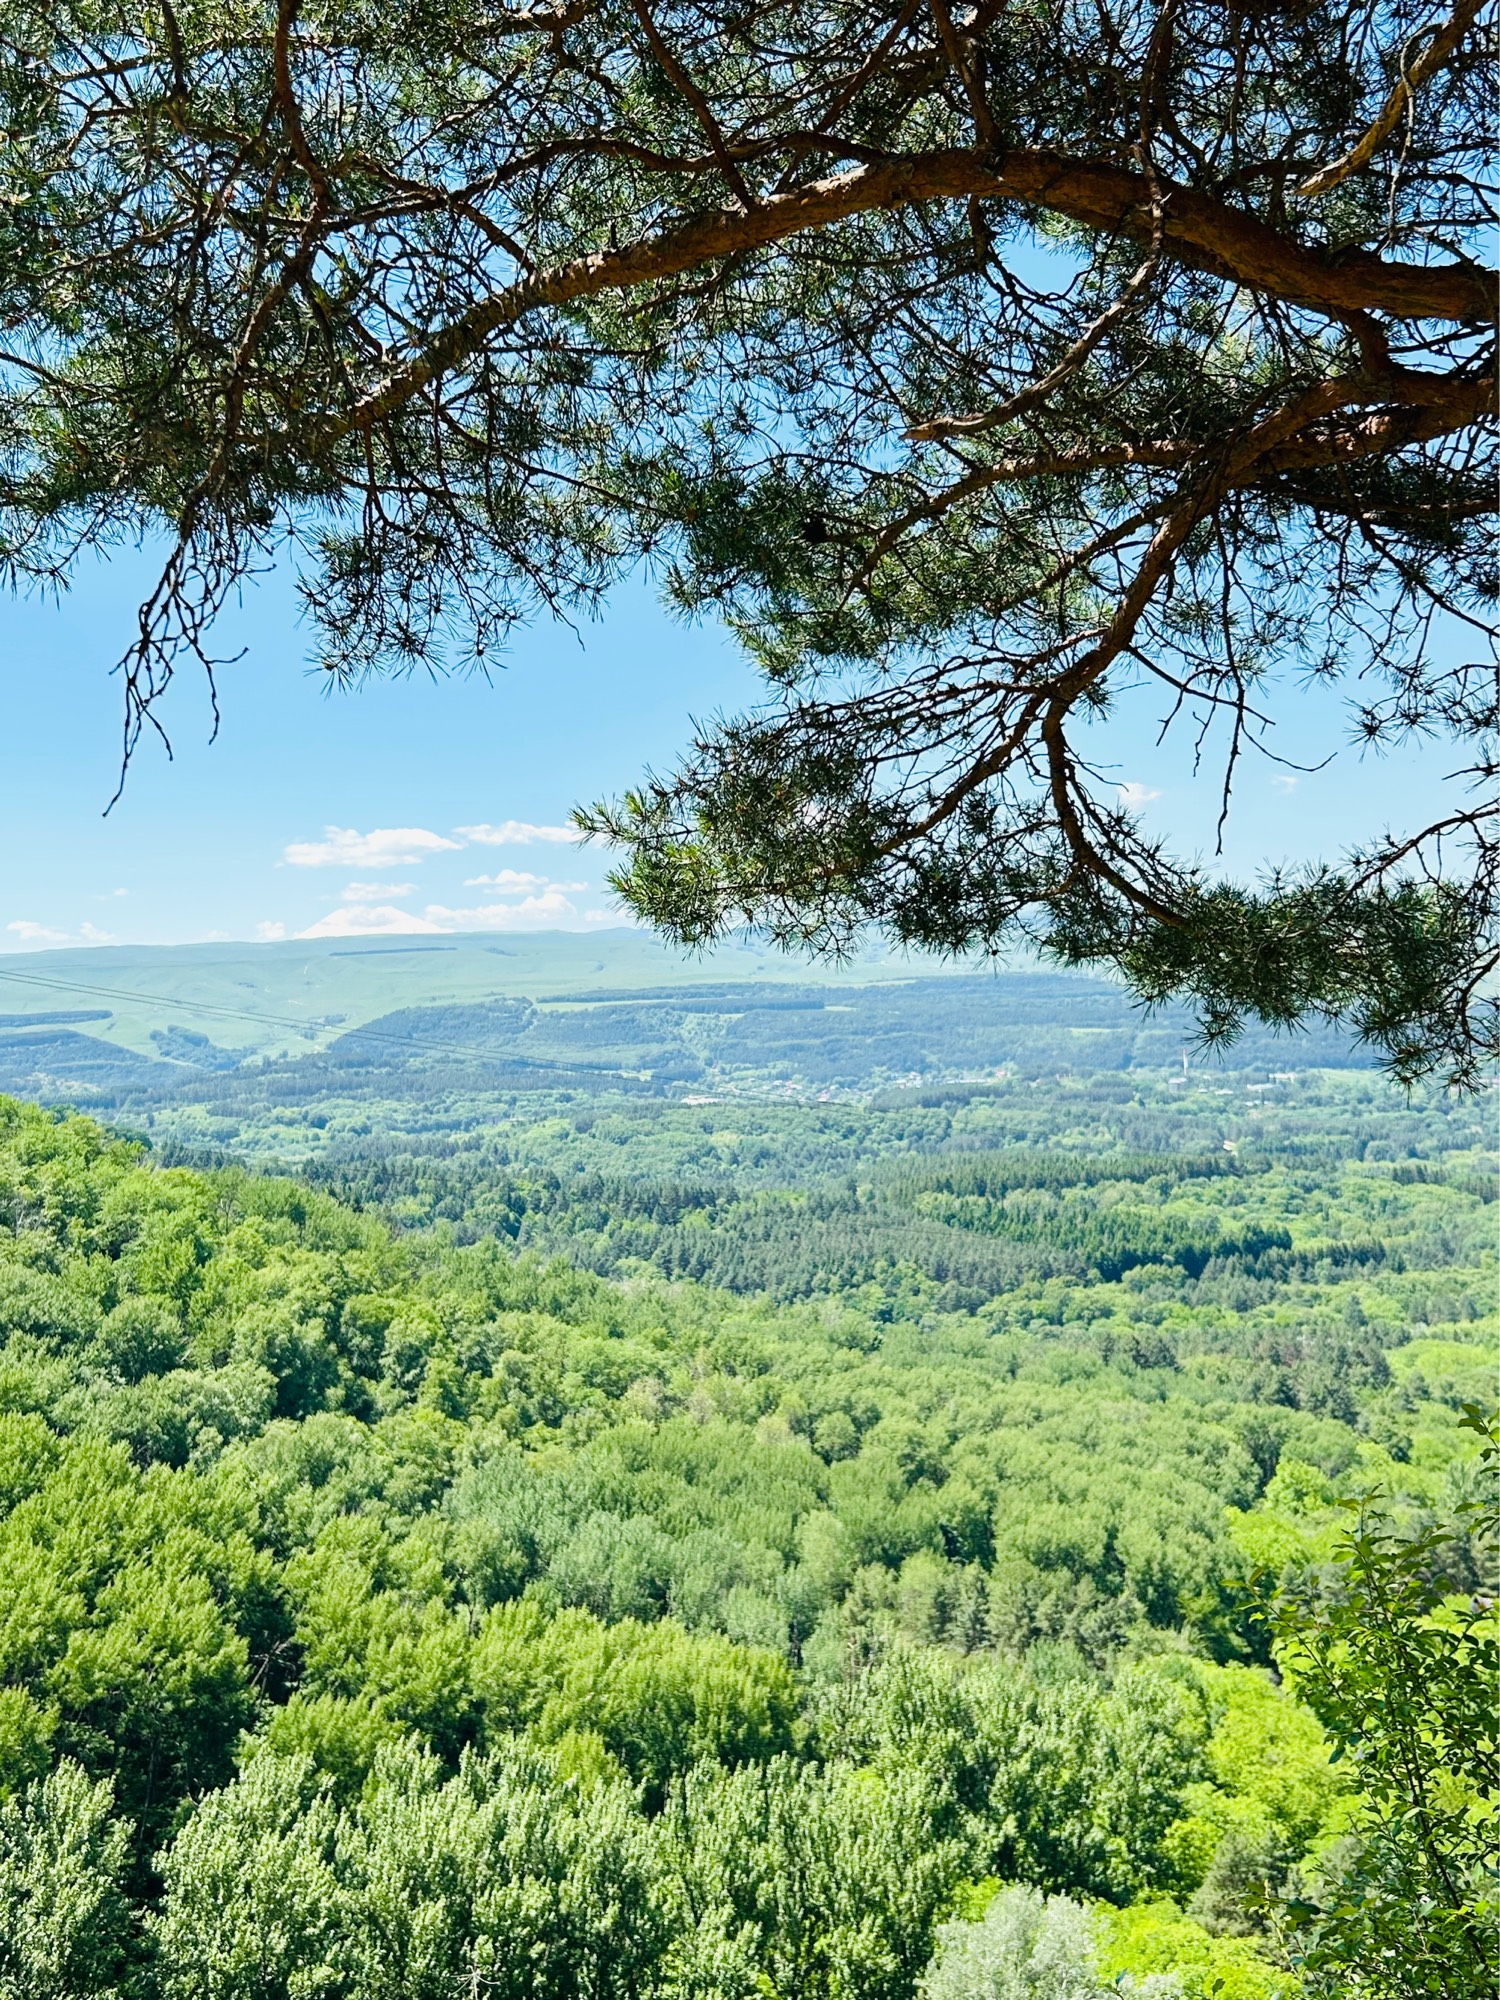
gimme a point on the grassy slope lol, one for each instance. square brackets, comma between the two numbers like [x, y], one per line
[223, 990]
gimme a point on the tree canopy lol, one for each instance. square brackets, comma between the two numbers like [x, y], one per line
[384, 1617]
[987, 367]
[1403, 1673]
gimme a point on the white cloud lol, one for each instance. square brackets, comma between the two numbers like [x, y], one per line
[549, 911]
[607, 917]
[516, 833]
[516, 882]
[271, 931]
[376, 892]
[30, 933]
[506, 878]
[1285, 781]
[1133, 795]
[385, 847]
[383, 920]
[530, 903]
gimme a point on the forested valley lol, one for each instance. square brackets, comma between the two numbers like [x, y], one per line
[800, 1529]
[904, 1409]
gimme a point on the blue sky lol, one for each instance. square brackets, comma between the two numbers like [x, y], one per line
[432, 806]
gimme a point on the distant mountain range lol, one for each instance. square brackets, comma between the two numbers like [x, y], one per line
[611, 1010]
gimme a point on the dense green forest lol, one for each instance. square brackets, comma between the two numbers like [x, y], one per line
[614, 1547]
[717, 1491]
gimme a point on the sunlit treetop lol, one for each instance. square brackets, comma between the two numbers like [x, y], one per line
[983, 366]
